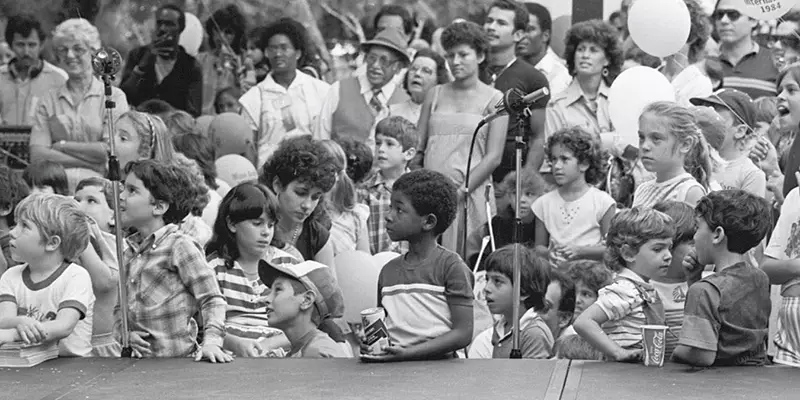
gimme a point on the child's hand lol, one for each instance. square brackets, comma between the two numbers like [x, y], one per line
[629, 356]
[247, 348]
[214, 353]
[140, 347]
[392, 353]
[31, 331]
[692, 268]
[6, 336]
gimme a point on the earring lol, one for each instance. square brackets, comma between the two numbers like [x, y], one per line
[605, 71]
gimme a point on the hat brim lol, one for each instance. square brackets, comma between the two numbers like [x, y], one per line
[401, 52]
[707, 101]
[268, 273]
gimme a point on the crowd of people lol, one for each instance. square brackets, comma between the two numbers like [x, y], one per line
[245, 175]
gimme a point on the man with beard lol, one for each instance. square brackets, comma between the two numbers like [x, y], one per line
[163, 70]
[27, 77]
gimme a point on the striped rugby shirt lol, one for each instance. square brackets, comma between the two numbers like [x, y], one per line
[418, 296]
[754, 74]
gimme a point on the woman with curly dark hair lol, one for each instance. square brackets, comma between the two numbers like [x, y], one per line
[426, 71]
[300, 172]
[226, 32]
[573, 219]
[449, 115]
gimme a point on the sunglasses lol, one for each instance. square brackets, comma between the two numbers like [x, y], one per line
[733, 15]
[786, 41]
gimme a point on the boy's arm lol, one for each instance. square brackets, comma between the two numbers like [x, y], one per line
[104, 275]
[700, 331]
[63, 325]
[457, 338]
[588, 327]
[781, 271]
[8, 313]
[201, 281]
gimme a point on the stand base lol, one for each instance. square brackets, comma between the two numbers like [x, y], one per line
[127, 352]
[516, 354]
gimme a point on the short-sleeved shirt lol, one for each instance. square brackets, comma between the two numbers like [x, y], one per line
[312, 239]
[535, 337]
[19, 97]
[623, 305]
[417, 296]
[70, 286]
[317, 344]
[650, 193]
[784, 244]
[728, 312]
[755, 74]
[743, 174]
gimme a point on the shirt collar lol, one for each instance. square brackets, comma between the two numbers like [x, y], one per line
[139, 244]
[366, 87]
[574, 93]
[96, 89]
[379, 180]
[526, 320]
[300, 79]
[627, 273]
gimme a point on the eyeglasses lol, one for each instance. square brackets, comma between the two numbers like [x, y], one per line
[786, 41]
[421, 70]
[733, 15]
[383, 62]
[77, 50]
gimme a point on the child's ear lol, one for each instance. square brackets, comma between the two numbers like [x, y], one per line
[718, 235]
[231, 227]
[686, 145]
[276, 185]
[627, 253]
[583, 166]
[53, 243]
[410, 153]
[160, 208]
[308, 300]
[5, 211]
[429, 222]
[564, 319]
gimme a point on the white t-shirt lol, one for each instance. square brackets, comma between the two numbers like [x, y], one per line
[576, 222]
[743, 174]
[70, 286]
[784, 244]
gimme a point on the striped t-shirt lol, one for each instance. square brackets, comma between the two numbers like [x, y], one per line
[622, 303]
[650, 193]
[246, 313]
[417, 296]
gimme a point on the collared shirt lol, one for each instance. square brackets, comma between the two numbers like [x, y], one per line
[276, 112]
[377, 195]
[331, 103]
[168, 282]
[755, 74]
[556, 72]
[570, 108]
[19, 97]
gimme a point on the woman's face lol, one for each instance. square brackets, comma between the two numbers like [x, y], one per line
[590, 59]
[75, 57]
[789, 101]
[126, 142]
[785, 44]
[282, 55]
[463, 60]
[421, 76]
[297, 200]
[255, 54]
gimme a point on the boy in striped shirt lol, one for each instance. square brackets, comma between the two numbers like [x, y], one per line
[427, 293]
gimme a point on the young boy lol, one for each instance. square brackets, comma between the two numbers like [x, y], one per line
[726, 314]
[427, 292]
[48, 298]
[536, 339]
[169, 279]
[395, 145]
[638, 248]
[46, 177]
[14, 190]
[302, 296]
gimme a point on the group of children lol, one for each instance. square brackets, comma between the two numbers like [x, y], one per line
[591, 275]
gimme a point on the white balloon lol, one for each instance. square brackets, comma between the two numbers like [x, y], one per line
[766, 9]
[357, 273]
[192, 35]
[234, 169]
[659, 27]
[632, 91]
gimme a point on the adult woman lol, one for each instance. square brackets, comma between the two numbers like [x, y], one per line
[685, 69]
[287, 102]
[785, 42]
[225, 29]
[426, 71]
[449, 116]
[300, 171]
[69, 121]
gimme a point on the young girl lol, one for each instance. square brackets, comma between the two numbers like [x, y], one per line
[672, 146]
[572, 220]
[243, 239]
[349, 229]
[227, 101]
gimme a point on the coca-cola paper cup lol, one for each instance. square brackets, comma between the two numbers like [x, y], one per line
[654, 341]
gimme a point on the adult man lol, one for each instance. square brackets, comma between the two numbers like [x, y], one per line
[163, 70]
[535, 49]
[393, 16]
[505, 26]
[27, 77]
[354, 105]
[746, 66]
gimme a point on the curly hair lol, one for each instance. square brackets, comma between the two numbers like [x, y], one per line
[24, 25]
[745, 218]
[594, 274]
[229, 18]
[634, 227]
[699, 31]
[583, 146]
[359, 158]
[682, 216]
[168, 183]
[534, 273]
[442, 74]
[430, 192]
[293, 30]
[468, 33]
[14, 190]
[199, 149]
[601, 33]
[200, 196]
[301, 159]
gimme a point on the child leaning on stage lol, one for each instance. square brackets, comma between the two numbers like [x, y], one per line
[639, 243]
[726, 316]
[427, 292]
[48, 298]
[301, 298]
[395, 145]
[572, 220]
[244, 234]
[536, 338]
[169, 279]
[14, 190]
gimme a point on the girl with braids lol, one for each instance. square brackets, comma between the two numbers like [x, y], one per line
[672, 147]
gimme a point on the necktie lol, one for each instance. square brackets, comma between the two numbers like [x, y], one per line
[374, 102]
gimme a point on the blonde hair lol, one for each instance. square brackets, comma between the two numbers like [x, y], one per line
[634, 228]
[180, 122]
[681, 123]
[77, 29]
[155, 141]
[343, 194]
[57, 215]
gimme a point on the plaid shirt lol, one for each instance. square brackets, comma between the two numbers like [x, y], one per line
[168, 282]
[377, 195]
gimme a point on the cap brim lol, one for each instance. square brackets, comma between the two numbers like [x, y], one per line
[268, 273]
[707, 101]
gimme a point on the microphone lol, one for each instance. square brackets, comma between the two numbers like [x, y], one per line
[106, 62]
[514, 101]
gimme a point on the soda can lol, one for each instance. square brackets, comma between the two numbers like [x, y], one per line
[654, 343]
[376, 336]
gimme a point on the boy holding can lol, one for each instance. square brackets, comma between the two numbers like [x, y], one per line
[427, 292]
[726, 314]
